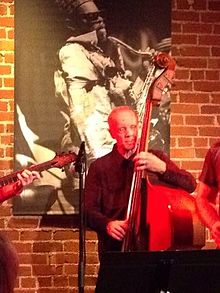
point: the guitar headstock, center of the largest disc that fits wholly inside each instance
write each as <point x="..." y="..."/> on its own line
<point x="60" y="160"/>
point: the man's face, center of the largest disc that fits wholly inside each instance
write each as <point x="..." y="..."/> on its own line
<point x="89" y="19"/>
<point x="124" y="129"/>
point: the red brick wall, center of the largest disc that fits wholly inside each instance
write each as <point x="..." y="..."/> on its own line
<point x="195" y="110"/>
<point x="196" y="95"/>
<point x="48" y="251"/>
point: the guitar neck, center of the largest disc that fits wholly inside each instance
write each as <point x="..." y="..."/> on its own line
<point x="5" y="180"/>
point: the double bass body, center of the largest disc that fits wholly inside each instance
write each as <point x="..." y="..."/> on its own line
<point x="172" y="219"/>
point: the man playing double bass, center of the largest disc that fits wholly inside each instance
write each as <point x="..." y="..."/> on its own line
<point x="109" y="179"/>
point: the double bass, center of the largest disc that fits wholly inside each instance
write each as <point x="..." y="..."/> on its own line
<point x="154" y="213"/>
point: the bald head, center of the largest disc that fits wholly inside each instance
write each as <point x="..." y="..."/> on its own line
<point x="123" y="127"/>
<point x="118" y="113"/>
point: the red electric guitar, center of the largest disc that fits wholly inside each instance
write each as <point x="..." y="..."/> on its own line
<point x="59" y="161"/>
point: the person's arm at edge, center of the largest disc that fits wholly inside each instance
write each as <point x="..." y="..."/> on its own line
<point x="15" y="188"/>
<point x="205" y="207"/>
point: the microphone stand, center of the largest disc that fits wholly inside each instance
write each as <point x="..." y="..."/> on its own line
<point x="80" y="167"/>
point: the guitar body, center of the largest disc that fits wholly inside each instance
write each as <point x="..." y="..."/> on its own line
<point x="172" y="219"/>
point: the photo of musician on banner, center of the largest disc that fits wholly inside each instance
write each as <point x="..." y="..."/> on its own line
<point x="75" y="61"/>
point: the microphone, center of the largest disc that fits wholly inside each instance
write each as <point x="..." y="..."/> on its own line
<point x="80" y="159"/>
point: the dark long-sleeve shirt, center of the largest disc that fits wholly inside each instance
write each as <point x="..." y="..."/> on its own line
<point x="108" y="186"/>
<point x="210" y="172"/>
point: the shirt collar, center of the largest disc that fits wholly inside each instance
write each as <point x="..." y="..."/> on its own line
<point x="127" y="156"/>
<point x="89" y="38"/>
